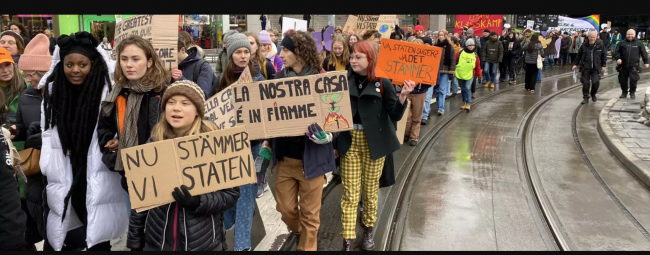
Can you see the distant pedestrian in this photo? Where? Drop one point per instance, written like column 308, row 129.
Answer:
column 263, row 20
column 591, row 60
column 627, row 56
column 533, row 49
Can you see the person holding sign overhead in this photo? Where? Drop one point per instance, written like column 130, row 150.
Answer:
column 375, row 105
column 192, row 223
column 240, row 54
column 132, row 108
column 302, row 161
column 85, row 199
column 417, row 98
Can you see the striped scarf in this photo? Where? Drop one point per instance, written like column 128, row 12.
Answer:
column 129, row 137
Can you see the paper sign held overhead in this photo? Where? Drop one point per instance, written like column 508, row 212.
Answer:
column 478, row 23
column 293, row 24
column 160, row 30
column 205, row 163
column 284, row 107
column 358, row 24
column 400, row 61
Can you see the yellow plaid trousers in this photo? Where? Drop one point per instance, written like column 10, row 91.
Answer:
column 357, row 167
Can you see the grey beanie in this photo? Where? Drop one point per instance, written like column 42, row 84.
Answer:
column 470, row 42
column 228, row 34
column 470, row 31
column 235, row 42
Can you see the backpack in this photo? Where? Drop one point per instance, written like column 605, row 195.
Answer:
column 197, row 71
column 263, row 67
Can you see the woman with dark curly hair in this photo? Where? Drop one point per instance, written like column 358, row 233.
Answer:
column 21, row 30
column 302, row 161
column 85, row 201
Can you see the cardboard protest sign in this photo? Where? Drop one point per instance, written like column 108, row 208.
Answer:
column 160, row 30
column 204, row 163
column 245, row 76
column 358, row 24
column 284, row 107
column 478, row 23
column 400, row 61
column 401, row 124
column 293, row 24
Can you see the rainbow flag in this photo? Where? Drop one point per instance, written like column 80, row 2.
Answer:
column 593, row 20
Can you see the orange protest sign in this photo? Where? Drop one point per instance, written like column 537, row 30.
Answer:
column 400, row 61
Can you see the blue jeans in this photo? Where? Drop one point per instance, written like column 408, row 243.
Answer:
column 427, row 104
column 241, row 216
column 454, row 85
column 491, row 72
column 539, row 75
column 441, row 90
column 466, row 89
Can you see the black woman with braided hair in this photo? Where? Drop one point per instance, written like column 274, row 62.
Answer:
column 85, row 199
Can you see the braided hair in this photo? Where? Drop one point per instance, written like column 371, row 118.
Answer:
column 75, row 114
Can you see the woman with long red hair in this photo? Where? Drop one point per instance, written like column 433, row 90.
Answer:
column 375, row 105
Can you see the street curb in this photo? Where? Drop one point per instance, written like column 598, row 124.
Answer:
column 634, row 164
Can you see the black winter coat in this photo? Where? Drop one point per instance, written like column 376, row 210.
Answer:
column 377, row 114
column 107, row 129
column 516, row 49
column 591, row 56
column 630, row 52
column 29, row 111
column 12, row 217
column 565, row 44
column 198, row 230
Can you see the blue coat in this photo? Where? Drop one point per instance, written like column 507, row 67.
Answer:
column 206, row 75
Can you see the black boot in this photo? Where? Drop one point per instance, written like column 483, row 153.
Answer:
column 632, row 96
column 623, row 95
column 368, row 239
column 347, row 244
column 585, row 100
column 593, row 98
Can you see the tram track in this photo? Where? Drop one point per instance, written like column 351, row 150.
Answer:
column 539, row 202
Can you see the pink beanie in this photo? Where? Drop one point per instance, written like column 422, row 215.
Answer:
column 37, row 55
column 265, row 38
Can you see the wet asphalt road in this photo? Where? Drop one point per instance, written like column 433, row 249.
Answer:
column 458, row 150
column 468, row 193
column 596, row 216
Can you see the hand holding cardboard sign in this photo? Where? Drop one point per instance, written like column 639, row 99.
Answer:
column 317, row 135
column 408, row 87
column 185, row 199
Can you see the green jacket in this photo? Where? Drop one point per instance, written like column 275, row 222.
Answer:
column 377, row 115
column 222, row 63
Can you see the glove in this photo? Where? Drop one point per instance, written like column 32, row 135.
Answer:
column 185, row 199
column 266, row 154
column 317, row 135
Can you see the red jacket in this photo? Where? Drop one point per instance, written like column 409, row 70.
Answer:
column 477, row 69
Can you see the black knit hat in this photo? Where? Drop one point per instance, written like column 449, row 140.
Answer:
column 493, row 33
column 82, row 43
column 486, row 30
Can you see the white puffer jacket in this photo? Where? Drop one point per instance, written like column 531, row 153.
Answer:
column 105, row 198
